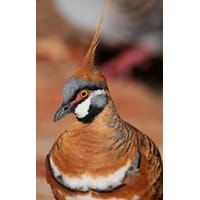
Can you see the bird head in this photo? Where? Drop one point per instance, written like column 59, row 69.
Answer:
column 86, row 92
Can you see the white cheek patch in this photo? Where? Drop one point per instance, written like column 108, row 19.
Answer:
column 82, row 109
column 86, row 182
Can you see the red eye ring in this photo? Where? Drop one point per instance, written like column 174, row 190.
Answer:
column 84, row 93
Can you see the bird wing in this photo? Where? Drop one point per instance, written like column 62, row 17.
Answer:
column 146, row 166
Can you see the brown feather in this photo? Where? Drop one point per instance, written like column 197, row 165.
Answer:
column 104, row 146
column 86, row 70
column 82, row 149
column 88, row 61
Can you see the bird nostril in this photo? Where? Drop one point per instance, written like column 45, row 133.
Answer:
column 66, row 107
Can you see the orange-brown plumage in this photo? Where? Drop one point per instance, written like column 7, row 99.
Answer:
column 100, row 146
column 87, row 71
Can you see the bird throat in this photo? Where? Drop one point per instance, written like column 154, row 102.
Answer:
column 106, row 126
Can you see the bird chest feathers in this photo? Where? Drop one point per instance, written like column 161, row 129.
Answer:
column 101, row 156
column 84, row 147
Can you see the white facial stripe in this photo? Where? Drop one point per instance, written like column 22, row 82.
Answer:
column 86, row 181
column 86, row 197
column 136, row 197
column 82, row 109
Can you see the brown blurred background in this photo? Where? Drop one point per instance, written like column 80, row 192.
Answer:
column 60, row 48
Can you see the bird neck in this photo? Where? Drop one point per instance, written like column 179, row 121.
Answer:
column 108, row 130
column 108, row 117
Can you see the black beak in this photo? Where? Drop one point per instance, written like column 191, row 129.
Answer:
column 62, row 111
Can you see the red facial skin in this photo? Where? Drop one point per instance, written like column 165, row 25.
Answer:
column 76, row 100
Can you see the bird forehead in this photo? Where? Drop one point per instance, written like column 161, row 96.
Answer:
column 73, row 85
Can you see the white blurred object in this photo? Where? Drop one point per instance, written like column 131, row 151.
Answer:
column 133, row 26
column 127, row 22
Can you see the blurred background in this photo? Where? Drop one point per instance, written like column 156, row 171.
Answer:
column 129, row 54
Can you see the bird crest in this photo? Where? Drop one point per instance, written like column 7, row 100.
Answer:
column 87, row 70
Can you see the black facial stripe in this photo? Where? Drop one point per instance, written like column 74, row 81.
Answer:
column 93, row 112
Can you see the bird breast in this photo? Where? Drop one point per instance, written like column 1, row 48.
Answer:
column 85, row 182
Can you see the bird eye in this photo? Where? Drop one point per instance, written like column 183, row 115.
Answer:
column 84, row 93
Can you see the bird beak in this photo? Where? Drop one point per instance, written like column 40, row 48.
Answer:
column 64, row 109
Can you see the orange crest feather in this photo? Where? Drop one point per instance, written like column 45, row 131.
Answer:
column 86, row 70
